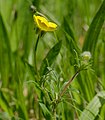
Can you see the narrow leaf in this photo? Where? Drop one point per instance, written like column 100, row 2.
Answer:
column 4, row 34
column 70, row 39
column 68, row 29
column 46, row 112
column 30, row 68
column 94, row 30
column 4, row 104
column 49, row 59
column 5, row 52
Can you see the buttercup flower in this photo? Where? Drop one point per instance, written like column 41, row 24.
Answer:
column 43, row 24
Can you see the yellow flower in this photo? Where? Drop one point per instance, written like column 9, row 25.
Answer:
column 43, row 24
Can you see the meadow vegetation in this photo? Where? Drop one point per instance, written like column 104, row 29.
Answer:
column 52, row 67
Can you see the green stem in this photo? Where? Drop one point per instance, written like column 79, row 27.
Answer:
column 54, row 114
column 73, row 103
column 35, row 53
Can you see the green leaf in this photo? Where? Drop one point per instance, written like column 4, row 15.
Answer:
column 5, row 105
column 70, row 39
column 5, row 52
column 93, row 108
column 46, row 112
column 4, row 36
column 22, row 110
column 49, row 59
column 94, row 30
column 30, row 69
column 68, row 28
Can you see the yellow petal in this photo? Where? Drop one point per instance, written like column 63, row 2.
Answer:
column 43, row 24
column 52, row 26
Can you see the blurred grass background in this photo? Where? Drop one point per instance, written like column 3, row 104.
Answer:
column 18, row 98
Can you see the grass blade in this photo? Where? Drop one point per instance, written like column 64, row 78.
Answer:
column 5, row 105
column 70, row 38
column 94, row 30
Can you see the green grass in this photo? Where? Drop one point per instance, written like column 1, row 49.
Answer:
column 57, row 79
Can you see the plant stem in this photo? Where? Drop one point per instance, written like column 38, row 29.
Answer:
column 54, row 114
column 68, row 83
column 35, row 53
column 73, row 103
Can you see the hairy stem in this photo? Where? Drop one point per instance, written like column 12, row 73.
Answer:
column 68, row 83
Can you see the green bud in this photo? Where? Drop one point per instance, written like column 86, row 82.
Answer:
column 86, row 56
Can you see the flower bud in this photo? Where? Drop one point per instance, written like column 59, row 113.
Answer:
column 86, row 56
